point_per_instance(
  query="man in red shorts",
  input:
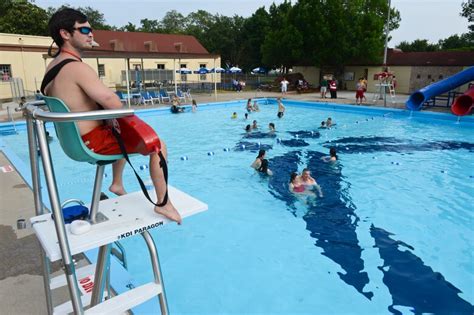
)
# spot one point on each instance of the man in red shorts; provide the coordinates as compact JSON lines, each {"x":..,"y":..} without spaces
{"x":77,"y":84}
{"x":360,"y":87}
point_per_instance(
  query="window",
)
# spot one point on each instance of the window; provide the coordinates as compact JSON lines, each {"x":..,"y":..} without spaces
{"x":429,"y":76}
{"x":5,"y":72}
{"x":160,"y":66}
{"x":418,"y":76}
{"x":183,"y":65}
{"x":440,"y":77}
{"x":101,"y":70}
{"x":202,"y":65}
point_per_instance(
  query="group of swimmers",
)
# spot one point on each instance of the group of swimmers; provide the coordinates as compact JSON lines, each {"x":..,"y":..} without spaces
{"x":302,"y":183}
{"x":327,"y":124}
{"x":252,"y":108}
{"x":176,"y":107}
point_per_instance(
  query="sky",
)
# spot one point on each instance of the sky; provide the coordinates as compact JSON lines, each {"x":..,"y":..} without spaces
{"x":421,"y":19}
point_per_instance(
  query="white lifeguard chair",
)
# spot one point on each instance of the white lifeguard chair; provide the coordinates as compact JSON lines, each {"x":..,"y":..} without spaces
{"x":112,"y":219}
{"x":384,"y":83}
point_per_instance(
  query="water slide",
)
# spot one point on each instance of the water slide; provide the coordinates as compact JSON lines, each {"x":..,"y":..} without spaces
{"x":464,"y":103}
{"x":416,"y":100}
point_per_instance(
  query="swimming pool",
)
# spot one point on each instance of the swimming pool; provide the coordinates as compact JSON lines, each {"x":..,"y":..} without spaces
{"x":392,"y":234}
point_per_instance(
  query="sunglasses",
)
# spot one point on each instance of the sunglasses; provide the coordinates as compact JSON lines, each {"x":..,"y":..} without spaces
{"x":86,"y":30}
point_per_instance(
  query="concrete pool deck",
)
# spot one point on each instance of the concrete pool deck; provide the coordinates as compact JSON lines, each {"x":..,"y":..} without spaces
{"x":21,"y":284}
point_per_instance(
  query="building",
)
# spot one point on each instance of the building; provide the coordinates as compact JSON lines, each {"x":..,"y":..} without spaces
{"x":413,"y":70}
{"x":151,"y":57}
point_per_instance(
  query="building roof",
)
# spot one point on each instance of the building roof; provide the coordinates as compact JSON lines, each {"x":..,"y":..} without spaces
{"x":433,"y":58}
{"x":138,"y":42}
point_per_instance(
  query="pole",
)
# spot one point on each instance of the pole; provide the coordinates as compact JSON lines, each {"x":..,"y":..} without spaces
{"x":214,"y":76}
{"x":385,"y":52}
{"x":127,"y":66}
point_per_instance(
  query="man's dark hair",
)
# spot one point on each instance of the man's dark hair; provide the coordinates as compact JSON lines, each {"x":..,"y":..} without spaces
{"x":64,"y":19}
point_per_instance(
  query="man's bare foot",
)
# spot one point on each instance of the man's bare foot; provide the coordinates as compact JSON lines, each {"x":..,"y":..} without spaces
{"x":170,"y":212}
{"x":118,"y":190}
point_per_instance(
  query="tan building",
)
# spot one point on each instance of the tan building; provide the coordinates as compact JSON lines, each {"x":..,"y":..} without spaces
{"x":413,"y":70}
{"x":153,"y":59}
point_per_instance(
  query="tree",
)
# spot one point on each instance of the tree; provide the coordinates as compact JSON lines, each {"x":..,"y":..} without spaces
{"x":468,"y":12}
{"x":173,"y":23}
{"x":150,"y":26}
{"x":22,"y":17}
{"x":254,"y":31}
{"x":456,"y":42}
{"x":417,"y":45}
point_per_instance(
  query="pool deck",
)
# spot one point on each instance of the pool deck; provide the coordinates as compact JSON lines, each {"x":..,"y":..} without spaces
{"x":21,"y":284}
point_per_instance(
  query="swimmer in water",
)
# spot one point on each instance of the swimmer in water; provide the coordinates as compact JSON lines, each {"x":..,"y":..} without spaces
{"x":234,"y":116}
{"x":309,"y":182}
{"x":295,"y":185}
{"x":261,"y":163}
{"x":332,"y":156}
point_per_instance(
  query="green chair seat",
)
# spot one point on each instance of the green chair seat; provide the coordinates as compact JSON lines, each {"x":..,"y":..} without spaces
{"x":70,"y":138}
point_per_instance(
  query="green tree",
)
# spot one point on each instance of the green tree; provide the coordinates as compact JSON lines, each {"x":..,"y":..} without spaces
{"x":198,"y":25}
{"x":254,"y":31}
{"x":173,"y":23}
{"x":417,"y":45}
{"x":130,"y":27}
{"x":22,"y":17}
{"x":150,"y":26}
{"x":468,"y":12}
{"x":456,"y":42}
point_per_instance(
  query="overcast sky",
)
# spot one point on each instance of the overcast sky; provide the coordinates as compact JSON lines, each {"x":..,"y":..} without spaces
{"x":421,"y":19}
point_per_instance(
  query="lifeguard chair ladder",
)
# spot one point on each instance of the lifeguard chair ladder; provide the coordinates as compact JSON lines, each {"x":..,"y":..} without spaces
{"x":115,"y":221}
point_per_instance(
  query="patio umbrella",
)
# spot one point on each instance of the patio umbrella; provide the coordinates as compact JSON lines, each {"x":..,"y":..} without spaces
{"x":202,"y":71}
{"x":259,"y":70}
{"x":235,"y":70}
{"x":184,"y":71}
{"x":217,"y":70}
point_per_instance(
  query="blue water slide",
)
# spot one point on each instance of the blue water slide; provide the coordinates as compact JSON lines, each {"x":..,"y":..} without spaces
{"x":416,"y":100}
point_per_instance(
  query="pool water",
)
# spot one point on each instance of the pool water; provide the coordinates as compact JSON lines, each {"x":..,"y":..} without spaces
{"x":392,"y":234}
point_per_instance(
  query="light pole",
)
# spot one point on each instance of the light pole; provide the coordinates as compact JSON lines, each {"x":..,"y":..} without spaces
{"x":385,"y":53}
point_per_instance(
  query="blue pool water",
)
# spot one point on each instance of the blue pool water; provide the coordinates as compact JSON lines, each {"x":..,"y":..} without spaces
{"x":393,"y":233}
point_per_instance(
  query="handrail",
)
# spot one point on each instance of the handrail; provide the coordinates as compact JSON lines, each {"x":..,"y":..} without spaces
{"x":40,"y":114}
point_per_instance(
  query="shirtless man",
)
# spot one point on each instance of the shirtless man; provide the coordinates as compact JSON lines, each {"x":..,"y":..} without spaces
{"x":309,"y":182}
{"x":281,"y":108}
{"x":78,"y":85}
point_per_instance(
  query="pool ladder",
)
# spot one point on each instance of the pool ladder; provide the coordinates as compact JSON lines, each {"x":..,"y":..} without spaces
{"x":96,"y":293}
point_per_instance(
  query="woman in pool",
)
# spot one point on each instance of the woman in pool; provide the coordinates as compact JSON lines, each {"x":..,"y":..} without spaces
{"x":271,"y":127}
{"x":261,"y":163}
{"x":248,"y":128}
{"x":255,"y":107}
{"x":332,"y":156}
{"x":194,"y":106}
{"x":249,"y":105}
{"x":295,"y":185}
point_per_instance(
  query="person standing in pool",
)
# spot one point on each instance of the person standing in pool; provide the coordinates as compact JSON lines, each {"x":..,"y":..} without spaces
{"x":332,"y":156}
{"x":281,"y":108}
{"x":77,"y":84}
{"x":295,"y":184}
{"x":249,"y":107}
{"x":254,"y":125}
{"x":309,"y":182}
{"x":261,"y":163}
{"x":271,"y":127}
{"x":329,"y":123}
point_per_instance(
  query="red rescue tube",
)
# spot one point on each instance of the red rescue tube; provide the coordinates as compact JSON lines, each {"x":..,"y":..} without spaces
{"x":138,"y":136}
{"x":464,"y":103}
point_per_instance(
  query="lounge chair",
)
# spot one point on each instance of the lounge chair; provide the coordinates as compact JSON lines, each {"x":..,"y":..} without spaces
{"x":155,"y":96}
{"x":180,"y":96}
{"x":146,"y":98}
{"x":164,"y":96}
{"x":121,"y":97}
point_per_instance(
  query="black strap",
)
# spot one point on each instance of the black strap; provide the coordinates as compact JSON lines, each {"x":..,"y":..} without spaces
{"x":163,"y":165}
{"x":53,"y":72}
